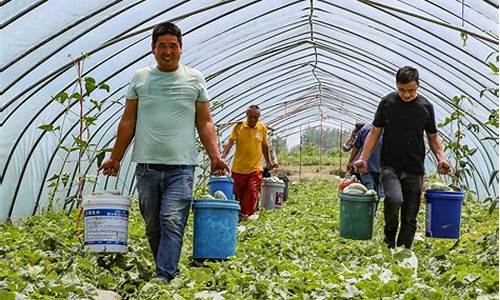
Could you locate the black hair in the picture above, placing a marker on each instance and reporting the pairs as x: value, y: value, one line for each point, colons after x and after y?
x: 253, y: 106
x: 166, y: 28
x: 358, y: 126
x: 406, y: 74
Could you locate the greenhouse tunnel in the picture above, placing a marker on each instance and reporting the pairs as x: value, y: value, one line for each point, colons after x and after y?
x: 306, y: 63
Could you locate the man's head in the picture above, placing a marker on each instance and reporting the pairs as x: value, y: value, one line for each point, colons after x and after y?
x: 407, y: 83
x: 167, y: 46
x: 253, y: 115
x: 358, y: 126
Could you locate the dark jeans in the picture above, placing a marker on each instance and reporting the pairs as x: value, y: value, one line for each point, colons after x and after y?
x: 402, y: 196
x: 165, y: 198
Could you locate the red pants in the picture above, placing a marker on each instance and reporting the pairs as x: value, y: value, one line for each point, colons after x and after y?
x: 246, y: 190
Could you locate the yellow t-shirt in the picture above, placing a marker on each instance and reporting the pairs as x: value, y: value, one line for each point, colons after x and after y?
x: 249, y: 141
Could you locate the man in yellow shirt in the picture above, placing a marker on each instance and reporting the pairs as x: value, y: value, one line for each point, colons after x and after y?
x: 250, y: 137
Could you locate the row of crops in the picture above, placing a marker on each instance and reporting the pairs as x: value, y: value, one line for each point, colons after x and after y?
x: 293, y: 253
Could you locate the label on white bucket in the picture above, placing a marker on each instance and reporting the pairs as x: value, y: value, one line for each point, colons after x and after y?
x: 104, y: 226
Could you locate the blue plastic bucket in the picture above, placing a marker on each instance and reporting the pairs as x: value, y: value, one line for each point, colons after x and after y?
x: 443, y: 213
x: 215, y: 228
x: 222, y: 183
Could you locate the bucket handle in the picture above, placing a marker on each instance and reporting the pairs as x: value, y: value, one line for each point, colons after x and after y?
x: 225, y: 173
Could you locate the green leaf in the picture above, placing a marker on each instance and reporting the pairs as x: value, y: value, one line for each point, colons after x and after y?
x: 89, y: 85
x: 97, y: 104
x: 49, y: 127
x: 481, y: 92
x: 493, y: 206
x: 82, y: 144
x: 492, y: 177
x: 89, y: 120
x: 61, y: 97
x: 493, y: 68
x: 104, y: 86
x: 7, y: 295
x: 76, y: 96
x: 89, y: 79
x: 68, y: 149
x: 473, y: 127
x: 55, y: 176
x: 199, y: 275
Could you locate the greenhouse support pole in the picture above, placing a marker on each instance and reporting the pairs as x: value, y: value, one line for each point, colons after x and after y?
x: 320, y: 142
x: 300, y: 152
x: 340, y: 148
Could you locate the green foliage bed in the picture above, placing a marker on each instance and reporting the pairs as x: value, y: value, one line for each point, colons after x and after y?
x: 295, y: 253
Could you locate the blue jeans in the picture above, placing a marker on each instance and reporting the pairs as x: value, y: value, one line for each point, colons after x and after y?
x: 165, y: 198
x: 402, y: 196
x: 372, y: 182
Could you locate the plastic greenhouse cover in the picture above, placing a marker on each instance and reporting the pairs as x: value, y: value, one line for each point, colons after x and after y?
x: 305, y: 62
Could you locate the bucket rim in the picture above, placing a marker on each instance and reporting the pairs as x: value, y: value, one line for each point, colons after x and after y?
x: 222, y: 204
x: 216, y: 200
x: 358, y: 197
x: 273, y: 183
x: 106, y: 199
x: 220, y: 178
x: 432, y: 191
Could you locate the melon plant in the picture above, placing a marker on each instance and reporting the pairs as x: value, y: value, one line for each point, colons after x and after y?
x: 292, y: 253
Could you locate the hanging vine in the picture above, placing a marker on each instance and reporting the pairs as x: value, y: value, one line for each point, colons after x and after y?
x: 86, y: 114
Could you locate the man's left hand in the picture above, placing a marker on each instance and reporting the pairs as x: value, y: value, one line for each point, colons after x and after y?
x: 443, y: 167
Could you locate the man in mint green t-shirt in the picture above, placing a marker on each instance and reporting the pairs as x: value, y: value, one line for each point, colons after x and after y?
x: 165, y: 104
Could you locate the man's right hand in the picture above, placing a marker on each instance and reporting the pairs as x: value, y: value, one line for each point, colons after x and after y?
x: 360, y: 166
x: 218, y: 166
x: 349, y: 168
x: 110, y: 167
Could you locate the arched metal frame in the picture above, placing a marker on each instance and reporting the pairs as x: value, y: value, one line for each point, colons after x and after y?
x: 296, y: 59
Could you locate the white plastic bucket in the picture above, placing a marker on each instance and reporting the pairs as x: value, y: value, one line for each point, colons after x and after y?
x: 105, y: 218
x: 271, y: 194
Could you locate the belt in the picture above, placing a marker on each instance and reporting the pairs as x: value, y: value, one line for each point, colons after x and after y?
x: 160, y: 167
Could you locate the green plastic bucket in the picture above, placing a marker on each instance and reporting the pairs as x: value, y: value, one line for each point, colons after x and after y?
x: 356, y: 216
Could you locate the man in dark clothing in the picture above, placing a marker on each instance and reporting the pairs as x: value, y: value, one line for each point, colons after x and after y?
x: 371, y: 178
x: 403, y: 116
x: 349, y: 146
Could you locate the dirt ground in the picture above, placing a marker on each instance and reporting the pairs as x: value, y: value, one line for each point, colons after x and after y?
x: 295, y: 173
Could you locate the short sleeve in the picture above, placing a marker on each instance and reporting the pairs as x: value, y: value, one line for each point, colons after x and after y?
x: 379, y: 120
x: 235, y: 132
x: 132, y: 90
x: 202, y: 89
x: 357, y: 141
x: 430, y: 127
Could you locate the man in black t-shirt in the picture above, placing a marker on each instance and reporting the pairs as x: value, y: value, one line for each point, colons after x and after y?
x: 403, y: 116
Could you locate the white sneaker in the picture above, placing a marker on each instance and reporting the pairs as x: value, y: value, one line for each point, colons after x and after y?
x: 253, y: 217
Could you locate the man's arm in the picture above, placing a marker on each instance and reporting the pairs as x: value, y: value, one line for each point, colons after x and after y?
x: 436, y: 146
x: 267, y: 157
x: 227, y: 148
x: 206, y: 131
x: 125, y: 134
x: 370, y: 143
x: 354, y: 152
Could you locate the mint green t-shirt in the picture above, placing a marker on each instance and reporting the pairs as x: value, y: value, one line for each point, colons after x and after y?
x: 165, y: 127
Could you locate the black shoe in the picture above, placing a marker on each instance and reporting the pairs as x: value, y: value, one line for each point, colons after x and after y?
x: 390, y: 244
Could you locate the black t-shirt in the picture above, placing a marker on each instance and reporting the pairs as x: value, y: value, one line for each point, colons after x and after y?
x: 404, y: 123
